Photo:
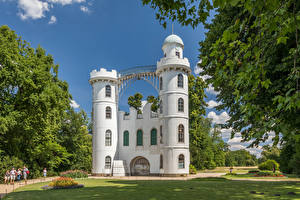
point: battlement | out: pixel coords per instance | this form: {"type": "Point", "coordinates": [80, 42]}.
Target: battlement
{"type": "Point", "coordinates": [103, 74]}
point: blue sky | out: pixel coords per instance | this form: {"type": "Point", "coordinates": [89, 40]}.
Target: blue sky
{"type": "Point", "coordinates": [83, 35]}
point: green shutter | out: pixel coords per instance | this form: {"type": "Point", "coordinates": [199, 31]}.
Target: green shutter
{"type": "Point", "coordinates": [126, 138]}
{"type": "Point", "coordinates": [139, 141]}
{"type": "Point", "coordinates": [153, 137]}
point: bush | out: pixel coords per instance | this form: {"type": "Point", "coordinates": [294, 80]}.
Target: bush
{"type": "Point", "coordinates": [268, 165]}
{"type": "Point", "coordinates": [63, 182]}
{"type": "Point", "coordinates": [74, 174]}
{"type": "Point", "coordinates": [253, 171]}
{"type": "Point", "coordinates": [269, 173]}
{"type": "Point", "coordinates": [231, 174]}
{"type": "Point", "coordinates": [193, 169]}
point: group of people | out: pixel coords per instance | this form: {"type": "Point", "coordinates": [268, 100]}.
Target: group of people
{"type": "Point", "coordinates": [12, 175]}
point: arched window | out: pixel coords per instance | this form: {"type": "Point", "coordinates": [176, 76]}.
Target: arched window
{"type": "Point", "coordinates": [160, 83]}
{"type": "Point", "coordinates": [108, 112]}
{"type": "Point", "coordinates": [161, 162]}
{"type": "Point", "coordinates": [139, 138]}
{"type": "Point", "coordinates": [126, 138]}
{"type": "Point", "coordinates": [108, 91]}
{"type": "Point", "coordinates": [180, 133]}
{"type": "Point", "coordinates": [153, 137]}
{"type": "Point", "coordinates": [180, 80]}
{"type": "Point", "coordinates": [107, 162]}
{"type": "Point", "coordinates": [180, 105]}
{"type": "Point", "coordinates": [178, 54]}
{"type": "Point", "coordinates": [181, 161]}
{"type": "Point", "coordinates": [160, 107]}
{"type": "Point", "coordinates": [108, 138]}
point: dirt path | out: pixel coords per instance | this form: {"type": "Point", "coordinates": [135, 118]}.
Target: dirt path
{"type": "Point", "coordinates": [5, 189]}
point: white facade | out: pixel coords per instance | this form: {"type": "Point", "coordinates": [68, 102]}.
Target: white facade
{"type": "Point", "coordinates": [148, 143]}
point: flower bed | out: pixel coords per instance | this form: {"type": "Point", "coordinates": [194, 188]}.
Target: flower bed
{"type": "Point", "coordinates": [62, 183]}
{"type": "Point", "coordinates": [268, 174]}
{"type": "Point", "coordinates": [74, 174]}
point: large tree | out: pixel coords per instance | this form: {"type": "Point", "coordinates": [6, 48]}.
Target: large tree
{"type": "Point", "coordinates": [33, 102]}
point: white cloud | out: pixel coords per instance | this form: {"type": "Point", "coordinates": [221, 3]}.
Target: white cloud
{"type": "Point", "coordinates": [198, 70]}
{"type": "Point", "coordinates": [218, 119]}
{"type": "Point", "coordinates": [66, 2]}
{"type": "Point", "coordinates": [52, 20]}
{"type": "Point", "coordinates": [211, 90]}
{"type": "Point", "coordinates": [73, 104]}
{"type": "Point", "coordinates": [212, 104]}
{"type": "Point", "coordinates": [33, 9]}
{"type": "Point", "coordinates": [84, 9]}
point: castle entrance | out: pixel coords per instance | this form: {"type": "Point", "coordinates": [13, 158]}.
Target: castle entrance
{"type": "Point", "coordinates": [140, 166]}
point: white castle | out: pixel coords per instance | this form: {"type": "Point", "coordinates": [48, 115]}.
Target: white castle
{"type": "Point", "coordinates": [146, 143]}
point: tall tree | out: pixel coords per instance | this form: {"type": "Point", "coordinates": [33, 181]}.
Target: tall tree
{"type": "Point", "coordinates": [32, 103]}
{"type": "Point", "coordinates": [135, 101]}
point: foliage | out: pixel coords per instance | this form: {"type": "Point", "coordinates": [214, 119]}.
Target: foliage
{"type": "Point", "coordinates": [135, 101]}
{"type": "Point", "coordinates": [269, 153]}
{"type": "Point", "coordinates": [253, 171]}
{"type": "Point", "coordinates": [290, 156]}
{"type": "Point", "coordinates": [268, 173]}
{"type": "Point", "coordinates": [269, 165]}
{"type": "Point", "coordinates": [74, 174]}
{"type": "Point", "coordinates": [7, 163]}
{"type": "Point", "coordinates": [63, 182]}
{"type": "Point", "coordinates": [75, 138]}
{"type": "Point", "coordinates": [240, 158]}
{"type": "Point", "coordinates": [155, 103]}
{"type": "Point", "coordinates": [192, 169]}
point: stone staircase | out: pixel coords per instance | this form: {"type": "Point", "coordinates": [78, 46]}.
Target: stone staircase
{"type": "Point", "coordinates": [119, 168]}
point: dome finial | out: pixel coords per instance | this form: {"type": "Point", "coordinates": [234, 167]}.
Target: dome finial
{"type": "Point", "coordinates": [172, 28]}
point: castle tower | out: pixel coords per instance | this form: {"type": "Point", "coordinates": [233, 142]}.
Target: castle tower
{"type": "Point", "coordinates": [105, 87]}
{"type": "Point", "coordinates": [173, 71]}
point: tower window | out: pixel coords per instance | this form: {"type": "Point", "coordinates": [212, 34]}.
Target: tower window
{"type": "Point", "coordinates": [180, 105]}
{"type": "Point", "coordinates": [108, 112]}
{"type": "Point", "coordinates": [126, 138]}
{"type": "Point", "coordinates": [107, 162]}
{"type": "Point", "coordinates": [161, 134]}
{"type": "Point", "coordinates": [181, 161]}
{"type": "Point", "coordinates": [108, 138]}
{"type": "Point", "coordinates": [153, 137]}
{"type": "Point", "coordinates": [178, 54]}
{"type": "Point", "coordinates": [181, 133]}
{"type": "Point", "coordinates": [160, 83]}
{"type": "Point", "coordinates": [165, 55]}
{"type": "Point", "coordinates": [180, 80]}
{"type": "Point", "coordinates": [161, 162]}
{"type": "Point", "coordinates": [107, 91]}
{"type": "Point", "coordinates": [139, 138]}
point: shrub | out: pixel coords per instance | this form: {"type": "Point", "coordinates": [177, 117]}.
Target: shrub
{"type": "Point", "coordinates": [269, 173]}
{"type": "Point", "coordinates": [232, 174]}
{"type": "Point", "coordinates": [63, 182]}
{"type": "Point", "coordinates": [74, 174]}
{"type": "Point", "coordinates": [193, 169]}
{"type": "Point", "coordinates": [253, 171]}
{"type": "Point", "coordinates": [268, 165]}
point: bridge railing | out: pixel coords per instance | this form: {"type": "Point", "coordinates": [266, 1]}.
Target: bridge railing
{"type": "Point", "coordinates": [137, 70]}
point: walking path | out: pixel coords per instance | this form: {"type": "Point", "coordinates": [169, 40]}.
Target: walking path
{"type": "Point", "coordinates": [5, 189]}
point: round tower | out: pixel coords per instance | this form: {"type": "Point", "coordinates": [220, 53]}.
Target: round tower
{"type": "Point", "coordinates": [173, 70]}
{"type": "Point", "coordinates": [104, 117]}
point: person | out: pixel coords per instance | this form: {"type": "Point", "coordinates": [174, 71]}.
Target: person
{"type": "Point", "coordinates": [25, 173]}
{"type": "Point", "coordinates": [19, 174]}
{"type": "Point", "coordinates": [7, 177]}
{"type": "Point", "coordinates": [45, 172]}
{"type": "Point", "coordinates": [12, 176]}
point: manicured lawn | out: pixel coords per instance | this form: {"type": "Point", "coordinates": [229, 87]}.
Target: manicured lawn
{"type": "Point", "coordinates": [226, 170]}
{"type": "Point", "coordinates": [208, 188]}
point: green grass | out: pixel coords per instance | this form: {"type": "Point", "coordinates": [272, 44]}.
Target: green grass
{"type": "Point", "coordinates": [205, 188]}
{"type": "Point", "coordinates": [226, 170]}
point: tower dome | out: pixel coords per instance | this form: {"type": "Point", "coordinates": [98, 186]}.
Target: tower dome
{"type": "Point", "coordinates": [171, 39]}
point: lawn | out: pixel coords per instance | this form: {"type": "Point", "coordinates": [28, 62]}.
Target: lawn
{"type": "Point", "coordinates": [226, 170]}
{"type": "Point", "coordinates": [205, 188]}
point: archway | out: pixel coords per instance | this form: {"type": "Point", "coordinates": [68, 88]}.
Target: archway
{"type": "Point", "coordinates": [140, 166]}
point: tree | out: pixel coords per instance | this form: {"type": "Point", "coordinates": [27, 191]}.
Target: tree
{"type": "Point", "coordinates": [32, 103]}
{"type": "Point", "coordinates": [135, 101]}
{"type": "Point", "coordinates": [251, 53]}
{"type": "Point", "coordinates": [154, 103]}
{"type": "Point", "coordinates": [270, 153]}
{"type": "Point", "coordinates": [75, 138]}
{"type": "Point", "coordinates": [240, 158]}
